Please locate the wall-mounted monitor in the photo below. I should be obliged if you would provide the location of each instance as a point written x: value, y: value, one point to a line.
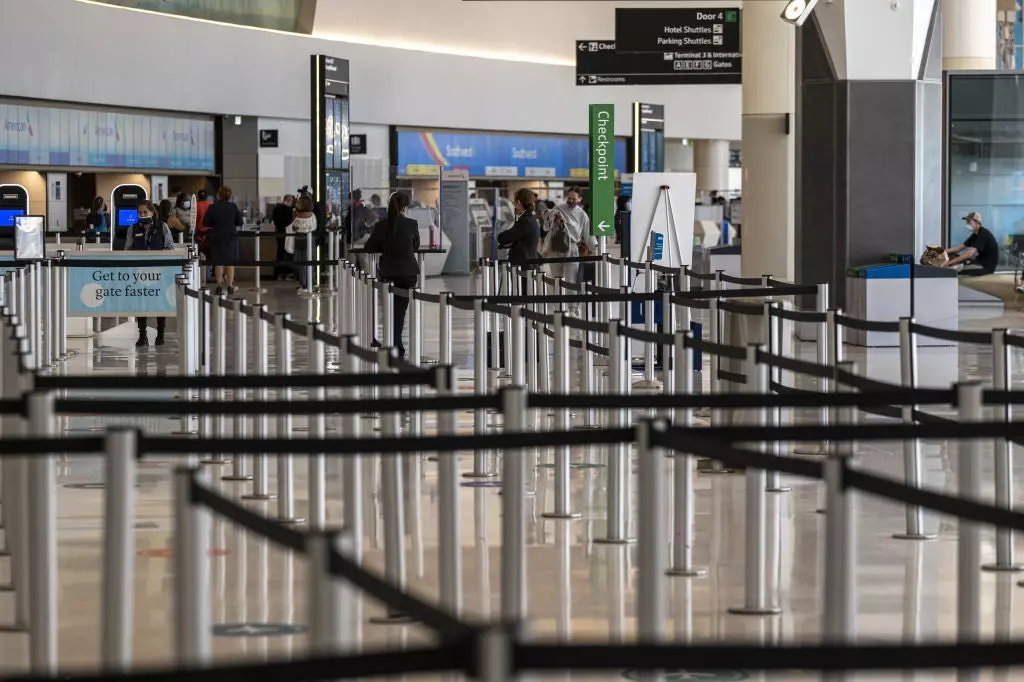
x: 7, y: 216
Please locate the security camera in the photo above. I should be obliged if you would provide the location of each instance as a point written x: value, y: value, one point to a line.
x: 797, y: 11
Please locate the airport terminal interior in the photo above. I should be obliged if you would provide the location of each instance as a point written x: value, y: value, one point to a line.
x: 378, y: 339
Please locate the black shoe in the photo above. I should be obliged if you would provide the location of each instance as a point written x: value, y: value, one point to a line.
x: 375, y: 344
x: 218, y: 291
x: 159, y: 340
x: 401, y: 352
x: 231, y: 291
x: 143, y: 341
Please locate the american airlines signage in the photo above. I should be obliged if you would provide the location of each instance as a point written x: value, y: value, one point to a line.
x: 797, y: 11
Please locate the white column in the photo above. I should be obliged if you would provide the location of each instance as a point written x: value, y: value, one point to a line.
x: 711, y: 163
x: 769, y: 87
x: 968, y: 35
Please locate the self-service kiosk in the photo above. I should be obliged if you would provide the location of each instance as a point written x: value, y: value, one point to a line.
x: 124, y: 212
x: 13, y: 203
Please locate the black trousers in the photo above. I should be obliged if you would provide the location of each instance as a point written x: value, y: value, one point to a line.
x: 161, y: 322
x: 401, y: 305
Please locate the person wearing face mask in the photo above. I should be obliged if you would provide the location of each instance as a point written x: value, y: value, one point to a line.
x: 522, y: 238
x: 576, y: 223
x: 149, y: 234
x: 979, y: 252
x: 183, y: 210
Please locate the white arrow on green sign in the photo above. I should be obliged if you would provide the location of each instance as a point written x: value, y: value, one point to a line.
x: 602, y: 169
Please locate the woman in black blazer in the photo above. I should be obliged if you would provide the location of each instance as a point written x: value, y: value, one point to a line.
x: 396, y: 240
x: 522, y: 238
x: 222, y: 221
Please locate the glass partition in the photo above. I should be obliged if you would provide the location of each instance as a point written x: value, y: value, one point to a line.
x: 282, y: 15
x: 985, y: 155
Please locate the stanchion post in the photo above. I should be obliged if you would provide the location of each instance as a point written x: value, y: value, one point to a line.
x: 684, y: 464
x: 840, y: 584
x: 261, y: 461
x: 563, y: 491
x: 445, y: 316
x: 191, y: 573
x: 448, y: 519
x: 239, y: 466
x: 651, y: 541
x: 618, y: 455
x: 316, y: 462
x: 119, y: 549
x: 774, y: 346
x: 911, y: 447
x: 480, y: 355
x: 42, y: 540
x: 1003, y: 455
x: 513, y: 522
x: 285, y: 463
x: 821, y: 342
x: 756, y: 599
x: 352, y: 466
x: 329, y: 602
x: 968, y: 582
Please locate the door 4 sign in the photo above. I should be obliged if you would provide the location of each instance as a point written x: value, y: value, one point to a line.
x: 797, y: 11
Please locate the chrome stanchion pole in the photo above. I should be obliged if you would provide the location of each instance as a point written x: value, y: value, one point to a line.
x: 1003, y: 455
x: 329, y: 602
x: 822, y: 357
x: 968, y: 582
x: 684, y: 465
x: 352, y: 466
x: 513, y: 502
x: 191, y: 573
x: 285, y: 463
x: 756, y: 599
x: 618, y: 455
x: 49, y: 326
x: 388, y: 312
x: 649, y: 382
x: 392, y: 498
x: 449, y: 522
x: 911, y: 447
x: 119, y: 549
x: 216, y: 333
x: 531, y: 339
x: 311, y: 286
x: 42, y: 544
x: 317, y: 472
x: 480, y: 354
x: 239, y: 467
x: 563, y: 490
x: 774, y: 346
x: 261, y: 461
x: 651, y: 541
x: 444, y: 315
x: 668, y: 355
x: 15, y: 482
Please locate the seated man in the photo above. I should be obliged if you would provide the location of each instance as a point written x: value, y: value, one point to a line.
x: 979, y: 253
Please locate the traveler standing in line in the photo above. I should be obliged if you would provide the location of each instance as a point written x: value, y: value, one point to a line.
x: 183, y: 211
x: 98, y: 220
x: 149, y: 234
x: 522, y: 238
x: 203, y: 204
x: 282, y: 216
x: 573, y: 219
x: 304, y: 223
x: 166, y: 215
x: 222, y: 221
x: 397, y: 239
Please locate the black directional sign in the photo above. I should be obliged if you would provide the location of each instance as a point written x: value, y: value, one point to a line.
x: 599, y: 63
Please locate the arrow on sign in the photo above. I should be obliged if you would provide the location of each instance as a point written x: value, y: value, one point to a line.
x: 603, y: 225
x: 583, y: 79
x: 582, y: 47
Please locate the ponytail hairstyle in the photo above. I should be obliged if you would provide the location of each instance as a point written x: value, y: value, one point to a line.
x: 399, y: 202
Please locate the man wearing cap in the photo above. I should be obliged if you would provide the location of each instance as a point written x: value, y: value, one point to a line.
x: 979, y: 252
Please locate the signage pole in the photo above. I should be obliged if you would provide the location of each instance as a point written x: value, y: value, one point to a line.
x: 602, y: 172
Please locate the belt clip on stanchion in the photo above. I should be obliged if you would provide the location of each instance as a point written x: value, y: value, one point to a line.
x: 911, y: 447
x: 1003, y: 453
x: 756, y: 600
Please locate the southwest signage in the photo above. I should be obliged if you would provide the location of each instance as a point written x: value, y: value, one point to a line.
x: 55, y: 136
x: 703, y: 44
x: 602, y: 169
x: 492, y: 155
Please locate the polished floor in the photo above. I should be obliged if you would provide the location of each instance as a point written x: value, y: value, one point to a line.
x: 578, y: 589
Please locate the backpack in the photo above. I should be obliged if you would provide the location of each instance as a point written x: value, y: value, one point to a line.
x: 557, y: 231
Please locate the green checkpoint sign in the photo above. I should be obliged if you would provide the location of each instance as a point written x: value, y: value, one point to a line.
x: 602, y: 170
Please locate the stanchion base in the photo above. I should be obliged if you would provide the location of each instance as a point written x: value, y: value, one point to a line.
x: 811, y: 452
x: 1002, y: 568
x: 256, y: 290
x: 755, y: 610
x: 391, y: 619
x: 614, y: 541
x: 687, y: 572
x: 571, y: 516
x: 588, y: 427
x: 232, y: 477
x: 215, y: 461
x: 780, y: 489
x: 474, y: 474
x: 913, y: 536
x: 290, y: 522
x: 647, y: 385
x: 260, y: 498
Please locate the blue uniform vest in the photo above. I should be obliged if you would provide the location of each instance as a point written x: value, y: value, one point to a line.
x: 155, y: 240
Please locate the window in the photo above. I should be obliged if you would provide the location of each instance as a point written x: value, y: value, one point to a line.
x: 283, y: 15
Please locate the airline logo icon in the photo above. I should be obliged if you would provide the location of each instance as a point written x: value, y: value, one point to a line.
x: 19, y: 126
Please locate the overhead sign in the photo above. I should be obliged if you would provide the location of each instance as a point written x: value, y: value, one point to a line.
x: 268, y: 138
x: 602, y: 169
x: 704, y: 42
x: 599, y: 63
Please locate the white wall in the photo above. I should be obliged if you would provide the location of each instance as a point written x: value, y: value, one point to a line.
x: 264, y: 73
x: 284, y: 169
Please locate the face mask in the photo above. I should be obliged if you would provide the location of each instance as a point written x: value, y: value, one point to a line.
x: 573, y: 202
x: 147, y: 221
x: 187, y: 204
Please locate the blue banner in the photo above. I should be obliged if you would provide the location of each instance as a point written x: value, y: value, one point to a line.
x: 121, y: 291
x: 421, y: 152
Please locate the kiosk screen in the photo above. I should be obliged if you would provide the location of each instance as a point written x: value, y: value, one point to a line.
x: 126, y: 217
x: 7, y: 216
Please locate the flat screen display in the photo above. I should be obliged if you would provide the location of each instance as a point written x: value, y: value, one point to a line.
x: 127, y: 217
x: 7, y: 216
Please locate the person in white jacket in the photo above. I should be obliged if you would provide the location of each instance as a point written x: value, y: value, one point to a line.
x: 577, y: 224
